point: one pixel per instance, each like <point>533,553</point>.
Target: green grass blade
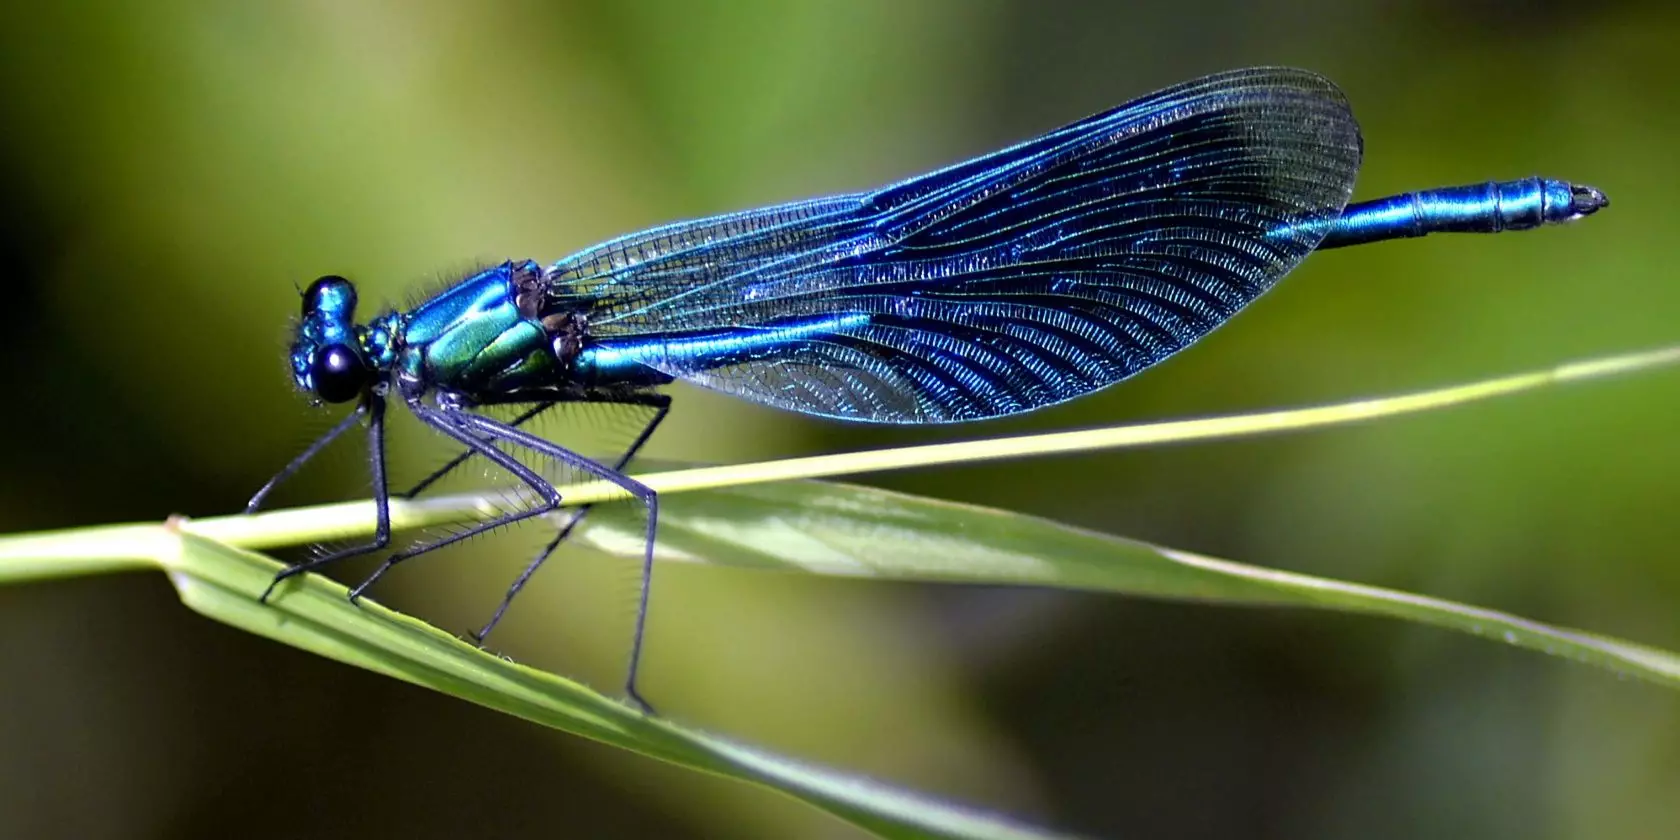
<point>312,613</point>
<point>839,529</point>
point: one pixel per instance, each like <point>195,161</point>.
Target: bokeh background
<point>171,171</point>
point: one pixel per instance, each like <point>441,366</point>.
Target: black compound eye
<point>338,374</point>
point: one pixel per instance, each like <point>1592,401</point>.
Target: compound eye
<point>338,374</point>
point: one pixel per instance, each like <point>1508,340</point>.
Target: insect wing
<point>1016,280</point>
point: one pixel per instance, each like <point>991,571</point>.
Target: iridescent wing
<point>1012,281</point>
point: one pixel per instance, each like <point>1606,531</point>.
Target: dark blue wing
<point>1013,281</point>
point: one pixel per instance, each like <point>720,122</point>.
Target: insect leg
<point>501,431</point>
<point>661,403</point>
<point>303,457</point>
<point>446,469</point>
<point>452,422</point>
<point>375,406</point>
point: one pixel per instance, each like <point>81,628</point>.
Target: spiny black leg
<point>493,429</point>
<point>662,404</point>
<point>375,406</point>
<point>525,575</point>
<point>452,423</point>
<point>303,457</point>
<point>635,666</point>
<point>446,469</point>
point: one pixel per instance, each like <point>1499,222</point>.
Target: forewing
<point>1016,280</point>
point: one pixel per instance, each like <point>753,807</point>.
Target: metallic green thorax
<point>477,338</point>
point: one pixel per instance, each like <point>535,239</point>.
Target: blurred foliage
<point>171,171</point>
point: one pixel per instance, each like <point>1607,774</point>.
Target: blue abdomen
<point>656,359</point>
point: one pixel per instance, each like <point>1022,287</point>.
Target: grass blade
<point>312,613</point>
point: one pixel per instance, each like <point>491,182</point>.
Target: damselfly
<point>1013,281</point>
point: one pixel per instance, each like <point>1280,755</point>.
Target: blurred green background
<point>170,172</point>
